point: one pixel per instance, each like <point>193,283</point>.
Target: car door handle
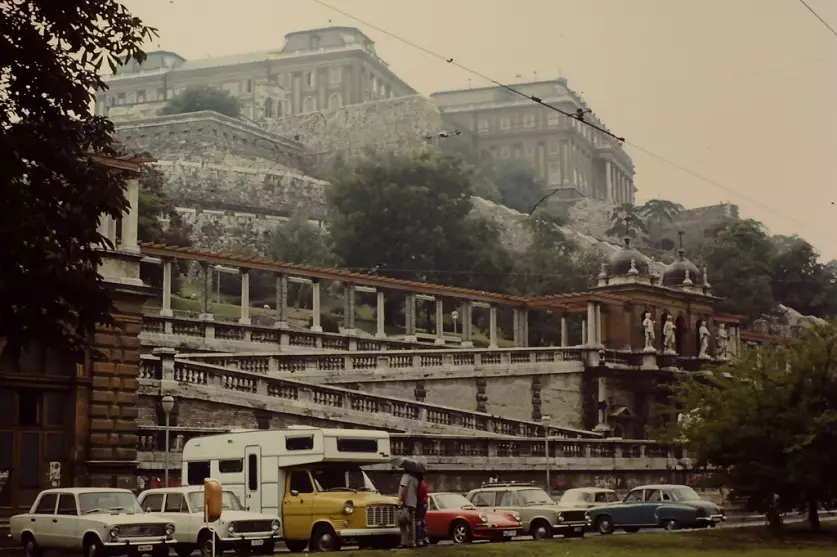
<point>31,520</point>
<point>55,520</point>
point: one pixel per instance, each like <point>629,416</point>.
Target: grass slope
<point>720,542</point>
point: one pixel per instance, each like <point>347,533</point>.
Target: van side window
<point>305,443</point>
<point>197,472</point>
<point>231,466</point>
<point>300,481</point>
<point>252,472</point>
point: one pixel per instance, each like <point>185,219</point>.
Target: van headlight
<point>231,528</point>
<point>274,525</point>
<point>169,530</point>
<point>483,518</point>
<point>114,532</point>
<point>349,507</point>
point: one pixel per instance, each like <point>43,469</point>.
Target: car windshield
<point>107,502</point>
<point>530,497</point>
<point>445,501</point>
<point>341,477</point>
<point>229,502</point>
<point>577,496</point>
<point>685,494</point>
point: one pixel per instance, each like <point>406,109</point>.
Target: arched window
<point>309,79</point>
<point>268,108</point>
<point>335,101</point>
<point>309,104</point>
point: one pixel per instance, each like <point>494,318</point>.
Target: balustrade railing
<point>224,330</point>
<point>152,439</point>
<point>237,381</point>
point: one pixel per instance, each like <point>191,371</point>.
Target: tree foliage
<point>299,241</point>
<point>52,194</point>
<point>767,424</point>
<point>518,184</point>
<point>799,279</point>
<point>656,213</point>
<point>203,97</point>
<point>637,228</point>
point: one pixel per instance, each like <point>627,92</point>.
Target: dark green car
<point>655,506</point>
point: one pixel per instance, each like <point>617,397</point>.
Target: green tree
<point>483,180</point>
<point>656,213</point>
<point>299,241</point>
<point>52,193</point>
<point>739,258</point>
<point>799,280</point>
<point>637,228</point>
<point>203,97</point>
<point>518,184</point>
<point>766,424</point>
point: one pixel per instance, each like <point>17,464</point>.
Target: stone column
<point>315,307</point>
<point>608,182</point>
<point>381,332</point>
<point>467,324</point>
<point>565,338</point>
<point>166,309</point>
<point>584,332</point>
<point>281,301</point>
<point>245,297</point>
<point>410,318</point>
<point>599,341</point>
<point>566,168</point>
<point>440,322</point>
<point>349,309</point>
<point>492,327</point>
<point>206,292</point>
<point>591,324</point>
<point>516,327</point>
<point>104,227</point>
<point>603,425</point>
<point>130,219</point>
<point>524,323</point>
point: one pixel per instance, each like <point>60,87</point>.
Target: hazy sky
<point>741,92</point>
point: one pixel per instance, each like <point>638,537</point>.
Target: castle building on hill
<point>567,155</point>
<point>317,69</point>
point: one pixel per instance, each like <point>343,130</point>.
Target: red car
<point>452,517</point>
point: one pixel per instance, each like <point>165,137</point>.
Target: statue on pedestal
<point>668,336</point>
<point>723,342</point>
<point>704,334</point>
<point>648,327</point>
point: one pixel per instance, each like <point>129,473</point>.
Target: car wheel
<point>324,539</point>
<point>460,532</point>
<point>93,548</point>
<point>669,525</point>
<point>296,546</point>
<point>604,525</point>
<point>205,545</point>
<point>30,548</point>
<point>541,530</point>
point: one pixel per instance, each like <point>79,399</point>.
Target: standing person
<point>421,512</point>
<point>408,499</point>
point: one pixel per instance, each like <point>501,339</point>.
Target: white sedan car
<point>237,529</point>
<point>95,521</point>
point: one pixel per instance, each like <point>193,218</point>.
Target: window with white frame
<point>505,123</point>
<point>554,148</point>
<point>309,104</point>
<point>528,120</point>
<point>335,101</point>
<point>505,152</point>
<point>483,125</point>
<point>335,74</point>
<point>530,151</point>
<point>552,118</point>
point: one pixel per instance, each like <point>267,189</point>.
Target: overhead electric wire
<point>576,116</point>
<point>816,15</point>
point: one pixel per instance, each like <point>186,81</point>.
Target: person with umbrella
<point>408,499</point>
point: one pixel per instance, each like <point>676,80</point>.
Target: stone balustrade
<point>219,335</point>
<point>453,453</point>
<point>191,379</point>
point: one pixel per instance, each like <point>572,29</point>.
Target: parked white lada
<point>238,529</point>
<point>96,521</point>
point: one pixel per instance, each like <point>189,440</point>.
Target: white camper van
<point>308,477</point>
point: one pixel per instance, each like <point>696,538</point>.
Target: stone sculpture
<point>704,334</point>
<point>648,327</point>
<point>668,336</point>
<point>723,342</point>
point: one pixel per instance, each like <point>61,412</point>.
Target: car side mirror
<point>294,493</point>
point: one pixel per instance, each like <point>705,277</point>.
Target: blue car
<point>655,506</point>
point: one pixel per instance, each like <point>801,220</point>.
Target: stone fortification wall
<point>694,223</point>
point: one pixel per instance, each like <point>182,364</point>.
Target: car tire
<point>30,547</point>
<point>540,530</point>
<point>670,524</point>
<point>604,525</point>
<point>296,546</point>
<point>324,538</point>
<point>460,532</point>
<point>93,548</point>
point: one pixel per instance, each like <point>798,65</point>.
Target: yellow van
<point>310,478</point>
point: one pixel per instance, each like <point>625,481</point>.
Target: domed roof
<point>620,263</point>
<point>675,274</point>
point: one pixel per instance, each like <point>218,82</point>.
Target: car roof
<point>659,486</point>
<point>434,493</point>
<point>182,489</point>
<point>82,490</point>
<point>506,487</point>
<point>590,490</point>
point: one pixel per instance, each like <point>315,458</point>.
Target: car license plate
<point>145,548</point>
<point>257,543</point>
<point>578,529</point>
<point>509,533</point>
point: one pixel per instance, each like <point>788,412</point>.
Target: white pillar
<point>130,219</point>
<point>166,309</point>
<point>584,332</point>
<point>591,324</point>
<point>608,182</point>
<point>467,324</point>
<point>349,309</point>
<point>516,327</point>
<point>599,325</point>
<point>410,318</point>
<point>206,292</point>
<point>245,297</point>
<point>564,331</point>
<point>492,327</point>
<point>440,322</point>
<point>281,301</point>
<point>381,332</point>
<point>315,307</point>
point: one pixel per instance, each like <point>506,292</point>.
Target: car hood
<point>554,507</point>
<point>126,518</point>
<point>234,516</point>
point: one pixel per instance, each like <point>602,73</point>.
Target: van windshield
<point>341,477</point>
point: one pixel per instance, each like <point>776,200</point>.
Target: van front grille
<point>380,516</point>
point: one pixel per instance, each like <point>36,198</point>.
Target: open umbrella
<point>408,465</point>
